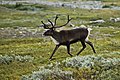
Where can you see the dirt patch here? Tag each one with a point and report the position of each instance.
(20, 32)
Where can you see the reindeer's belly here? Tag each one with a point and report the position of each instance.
(65, 42)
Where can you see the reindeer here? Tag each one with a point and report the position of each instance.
(67, 37)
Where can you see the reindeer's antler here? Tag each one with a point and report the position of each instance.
(54, 24)
(45, 25)
(51, 23)
(69, 19)
(56, 20)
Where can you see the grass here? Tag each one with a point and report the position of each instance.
(13, 16)
(41, 50)
(106, 40)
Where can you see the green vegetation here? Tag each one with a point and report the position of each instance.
(25, 58)
(29, 15)
(87, 0)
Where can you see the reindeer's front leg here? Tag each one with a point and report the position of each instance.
(57, 46)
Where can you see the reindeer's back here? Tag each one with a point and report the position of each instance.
(78, 33)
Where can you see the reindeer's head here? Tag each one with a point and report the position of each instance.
(51, 30)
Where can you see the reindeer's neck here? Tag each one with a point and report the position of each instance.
(56, 37)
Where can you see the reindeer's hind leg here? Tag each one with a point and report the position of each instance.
(84, 46)
(68, 49)
(90, 43)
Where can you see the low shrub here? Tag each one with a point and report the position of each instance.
(49, 73)
(6, 59)
(85, 67)
(106, 6)
(90, 61)
(94, 67)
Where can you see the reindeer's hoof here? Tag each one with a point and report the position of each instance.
(70, 54)
(51, 59)
(77, 54)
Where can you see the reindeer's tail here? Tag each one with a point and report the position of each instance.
(89, 29)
